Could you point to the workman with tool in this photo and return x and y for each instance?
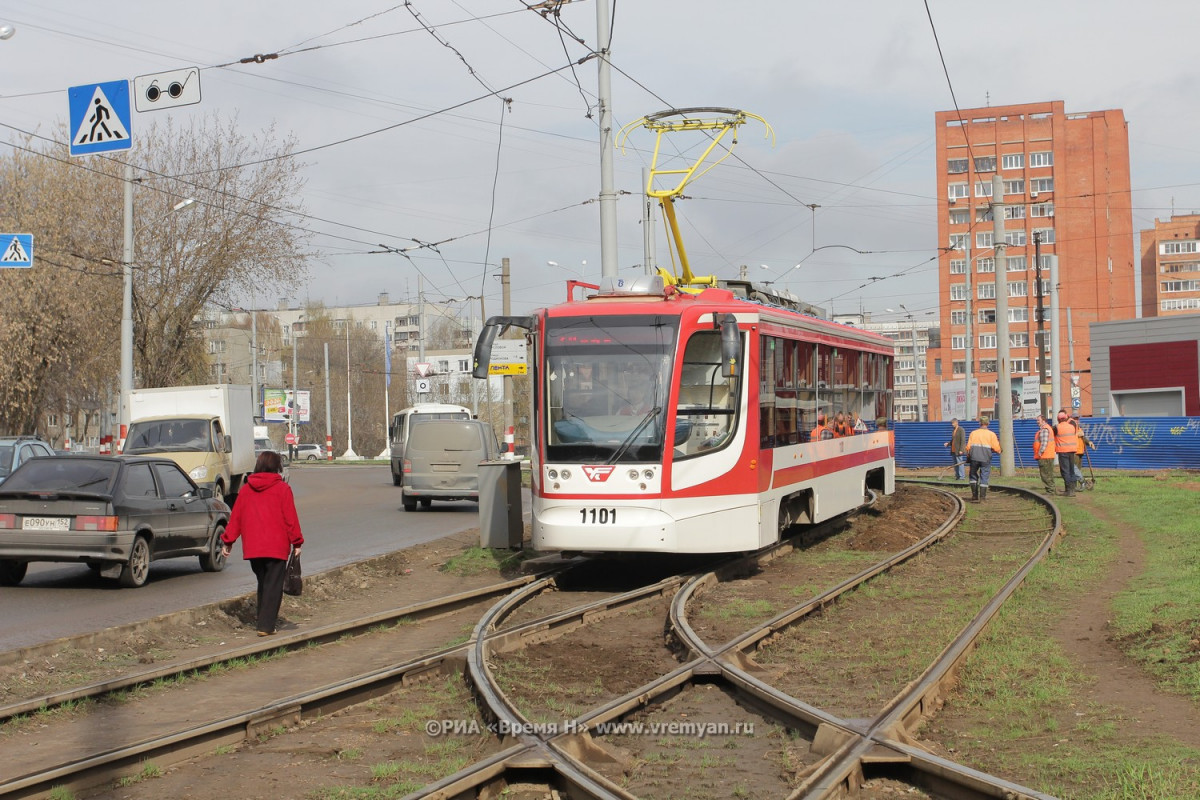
(1066, 442)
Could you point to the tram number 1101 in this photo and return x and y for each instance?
(598, 516)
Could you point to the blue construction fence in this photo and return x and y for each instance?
(1135, 443)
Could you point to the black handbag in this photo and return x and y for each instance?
(293, 583)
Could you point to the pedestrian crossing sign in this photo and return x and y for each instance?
(100, 118)
(16, 250)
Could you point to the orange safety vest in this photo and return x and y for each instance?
(1066, 437)
(818, 433)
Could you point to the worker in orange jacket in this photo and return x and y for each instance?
(1066, 442)
(1084, 442)
(980, 446)
(820, 432)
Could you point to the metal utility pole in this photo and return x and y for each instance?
(969, 369)
(1003, 363)
(608, 195)
(294, 411)
(387, 382)
(916, 370)
(349, 454)
(127, 307)
(1039, 340)
(254, 356)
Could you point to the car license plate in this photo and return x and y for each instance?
(46, 524)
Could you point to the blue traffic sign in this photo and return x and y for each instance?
(16, 250)
(100, 118)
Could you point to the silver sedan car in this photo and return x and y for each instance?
(114, 514)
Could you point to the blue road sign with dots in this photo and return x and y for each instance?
(100, 118)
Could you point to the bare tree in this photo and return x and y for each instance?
(59, 322)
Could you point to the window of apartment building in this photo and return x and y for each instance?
(1182, 304)
(985, 163)
(443, 365)
(958, 266)
(1014, 238)
(904, 365)
(956, 166)
(958, 241)
(464, 365)
(958, 317)
(983, 239)
(1015, 264)
(1041, 210)
(986, 316)
(983, 188)
(1181, 266)
(1044, 338)
(958, 342)
(212, 346)
(1018, 314)
(1014, 187)
(1044, 158)
(1018, 289)
(1014, 212)
(985, 265)
(901, 377)
(958, 291)
(960, 216)
(983, 214)
(958, 367)
(987, 389)
(987, 341)
(957, 191)
(1013, 161)
(1047, 234)
(1018, 340)
(987, 291)
(987, 365)
(1041, 185)
(1181, 246)
(1020, 365)
(1181, 286)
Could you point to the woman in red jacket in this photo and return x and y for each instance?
(264, 515)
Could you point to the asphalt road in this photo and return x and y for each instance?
(348, 513)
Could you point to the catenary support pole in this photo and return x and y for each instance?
(1003, 362)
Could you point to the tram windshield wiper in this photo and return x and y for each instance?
(633, 434)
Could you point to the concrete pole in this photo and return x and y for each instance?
(349, 454)
(506, 298)
(127, 308)
(608, 194)
(294, 411)
(916, 370)
(1003, 362)
(969, 371)
(1055, 334)
(328, 418)
(254, 359)
(1038, 340)
(387, 405)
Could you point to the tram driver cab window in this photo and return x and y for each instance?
(707, 412)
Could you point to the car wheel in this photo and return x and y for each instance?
(410, 505)
(137, 568)
(312, 457)
(213, 559)
(12, 572)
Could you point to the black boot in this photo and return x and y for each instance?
(975, 492)
(982, 493)
(1070, 490)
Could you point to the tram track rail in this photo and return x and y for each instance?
(854, 751)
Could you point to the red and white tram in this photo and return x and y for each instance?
(679, 422)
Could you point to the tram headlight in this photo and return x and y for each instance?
(633, 474)
(552, 474)
(648, 474)
(566, 474)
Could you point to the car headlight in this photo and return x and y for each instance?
(200, 473)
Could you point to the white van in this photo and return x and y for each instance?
(402, 419)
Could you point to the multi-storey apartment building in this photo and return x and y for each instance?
(1065, 179)
(1171, 267)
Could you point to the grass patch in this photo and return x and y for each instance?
(478, 560)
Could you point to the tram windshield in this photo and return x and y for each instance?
(607, 384)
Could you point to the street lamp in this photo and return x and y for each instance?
(127, 301)
(349, 454)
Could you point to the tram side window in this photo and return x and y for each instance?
(706, 415)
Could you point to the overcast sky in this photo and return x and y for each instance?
(850, 90)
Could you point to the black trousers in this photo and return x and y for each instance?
(270, 572)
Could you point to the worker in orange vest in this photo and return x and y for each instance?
(1084, 442)
(980, 446)
(1044, 454)
(1066, 442)
(820, 432)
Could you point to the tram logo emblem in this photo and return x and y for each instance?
(598, 474)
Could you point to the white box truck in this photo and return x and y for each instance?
(207, 430)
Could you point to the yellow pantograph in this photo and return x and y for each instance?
(717, 122)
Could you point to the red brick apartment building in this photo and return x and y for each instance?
(1066, 177)
(1171, 267)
